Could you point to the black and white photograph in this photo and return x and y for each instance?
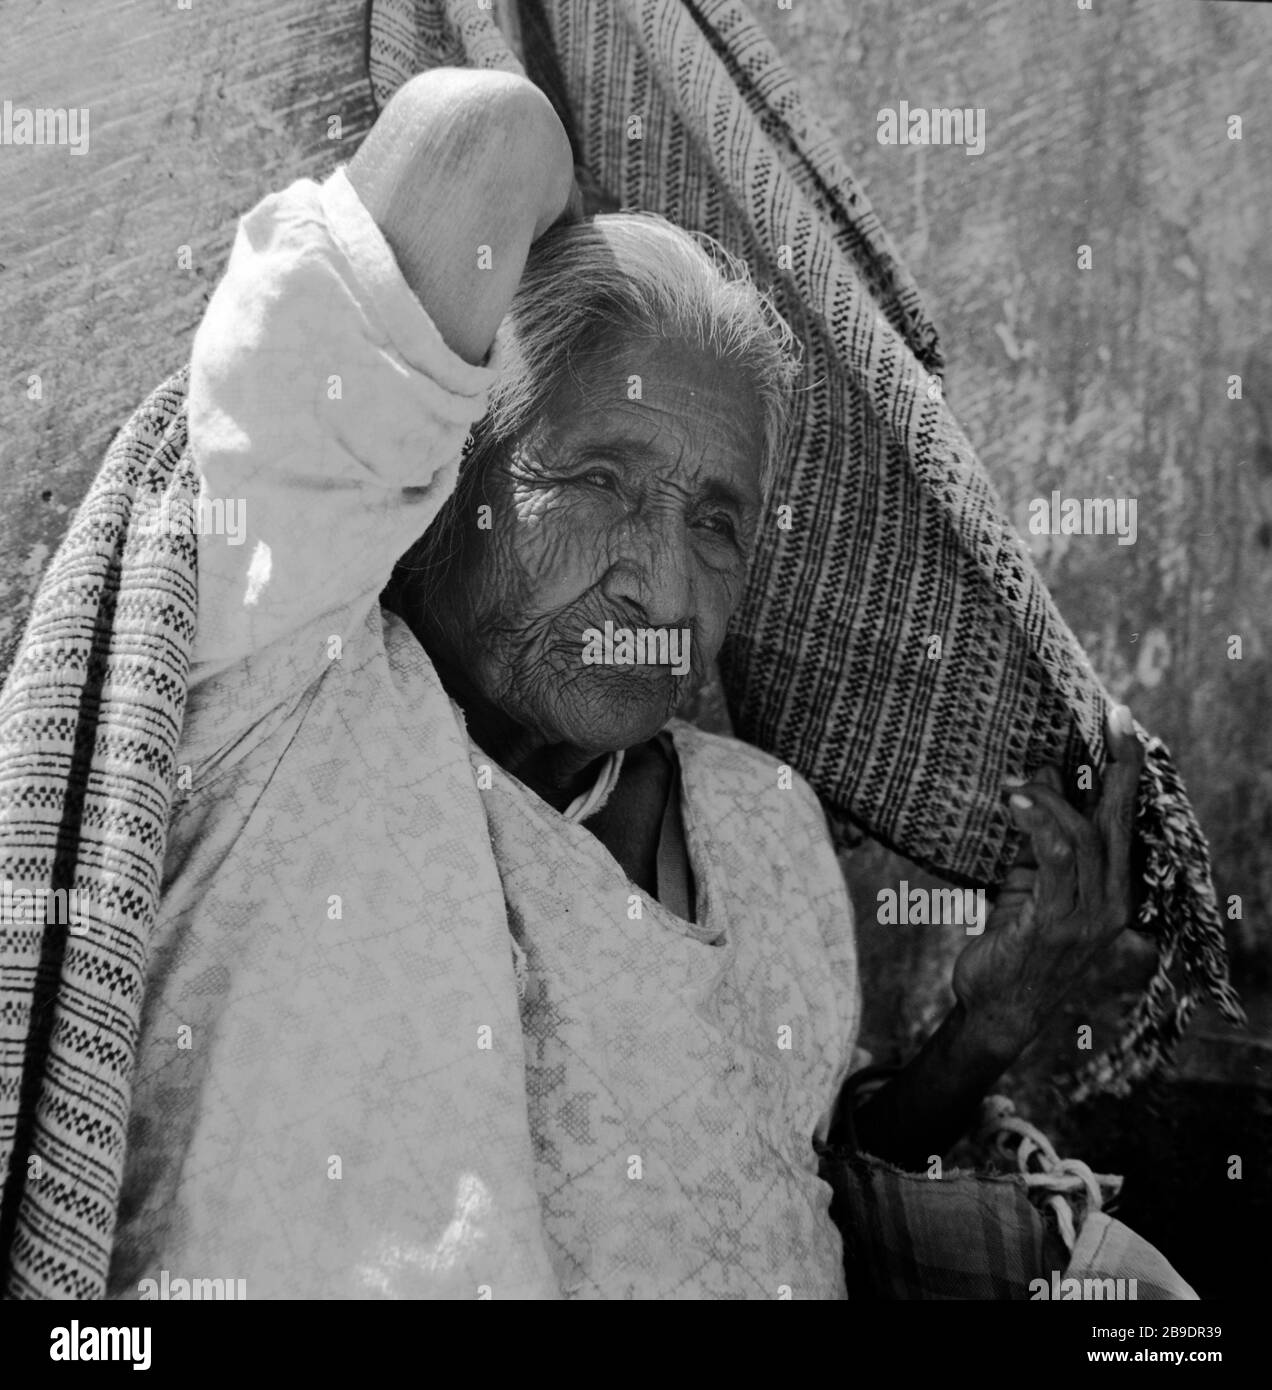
(636, 666)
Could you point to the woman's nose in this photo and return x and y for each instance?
(653, 576)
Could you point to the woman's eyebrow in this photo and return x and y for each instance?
(615, 450)
(622, 449)
(724, 493)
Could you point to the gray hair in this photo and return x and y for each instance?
(635, 274)
(627, 275)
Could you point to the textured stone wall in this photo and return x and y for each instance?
(1108, 129)
(193, 116)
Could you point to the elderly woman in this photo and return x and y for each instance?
(478, 974)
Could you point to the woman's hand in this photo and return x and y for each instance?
(1068, 895)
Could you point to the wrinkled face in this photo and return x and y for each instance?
(633, 502)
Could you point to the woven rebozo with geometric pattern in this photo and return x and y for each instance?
(896, 537)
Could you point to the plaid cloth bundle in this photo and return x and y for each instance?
(972, 1236)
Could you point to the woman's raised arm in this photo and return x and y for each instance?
(337, 370)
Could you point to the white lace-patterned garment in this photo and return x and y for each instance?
(340, 1092)
(676, 1073)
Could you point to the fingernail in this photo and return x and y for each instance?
(1013, 781)
(1021, 803)
(1122, 720)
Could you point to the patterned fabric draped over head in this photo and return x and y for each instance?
(682, 107)
(896, 537)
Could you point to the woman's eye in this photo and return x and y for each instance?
(719, 525)
(598, 477)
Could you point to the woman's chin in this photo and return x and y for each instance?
(627, 719)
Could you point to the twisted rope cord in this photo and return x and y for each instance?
(1066, 1186)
